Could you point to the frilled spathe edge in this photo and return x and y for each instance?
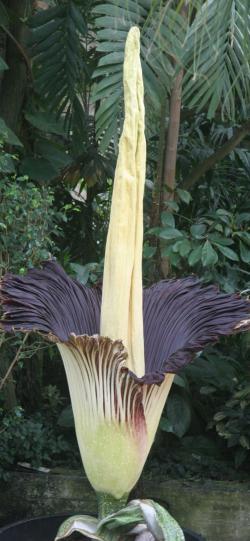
(107, 388)
(181, 317)
(49, 301)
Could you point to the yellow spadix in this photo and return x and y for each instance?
(121, 311)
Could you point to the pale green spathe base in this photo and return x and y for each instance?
(112, 459)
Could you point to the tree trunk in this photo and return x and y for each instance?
(9, 389)
(157, 189)
(14, 82)
(31, 382)
(90, 248)
(165, 183)
(156, 273)
(216, 157)
(2, 52)
(169, 168)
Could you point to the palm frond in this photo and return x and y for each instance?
(163, 32)
(217, 59)
(56, 44)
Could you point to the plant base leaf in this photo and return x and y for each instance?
(142, 519)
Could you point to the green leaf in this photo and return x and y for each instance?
(220, 80)
(162, 37)
(107, 107)
(42, 32)
(54, 153)
(243, 235)
(181, 382)
(62, 67)
(108, 46)
(163, 525)
(53, 41)
(184, 247)
(3, 65)
(45, 122)
(154, 231)
(219, 227)
(240, 456)
(4, 17)
(195, 256)
(216, 238)
(114, 10)
(175, 246)
(166, 425)
(243, 217)
(198, 231)
(170, 233)
(175, 260)
(66, 418)
(184, 196)
(38, 169)
(111, 23)
(78, 18)
(148, 251)
(172, 205)
(141, 513)
(122, 521)
(167, 218)
(7, 164)
(106, 138)
(167, 251)
(219, 416)
(113, 81)
(208, 256)
(244, 252)
(8, 135)
(44, 16)
(223, 212)
(228, 252)
(116, 57)
(207, 389)
(244, 442)
(83, 524)
(114, 69)
(115, 36)
(82, 272)
(178, 413)
(100, 93)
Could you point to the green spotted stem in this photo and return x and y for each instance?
(107, 504)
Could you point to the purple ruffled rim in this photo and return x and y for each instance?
(180, 316)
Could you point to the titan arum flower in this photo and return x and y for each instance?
(121, 346)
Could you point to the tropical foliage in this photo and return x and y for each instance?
(57, 159)
(34, 439)
(212, 48)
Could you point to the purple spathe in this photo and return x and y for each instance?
(180, 316)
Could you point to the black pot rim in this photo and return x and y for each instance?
(64, 516)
